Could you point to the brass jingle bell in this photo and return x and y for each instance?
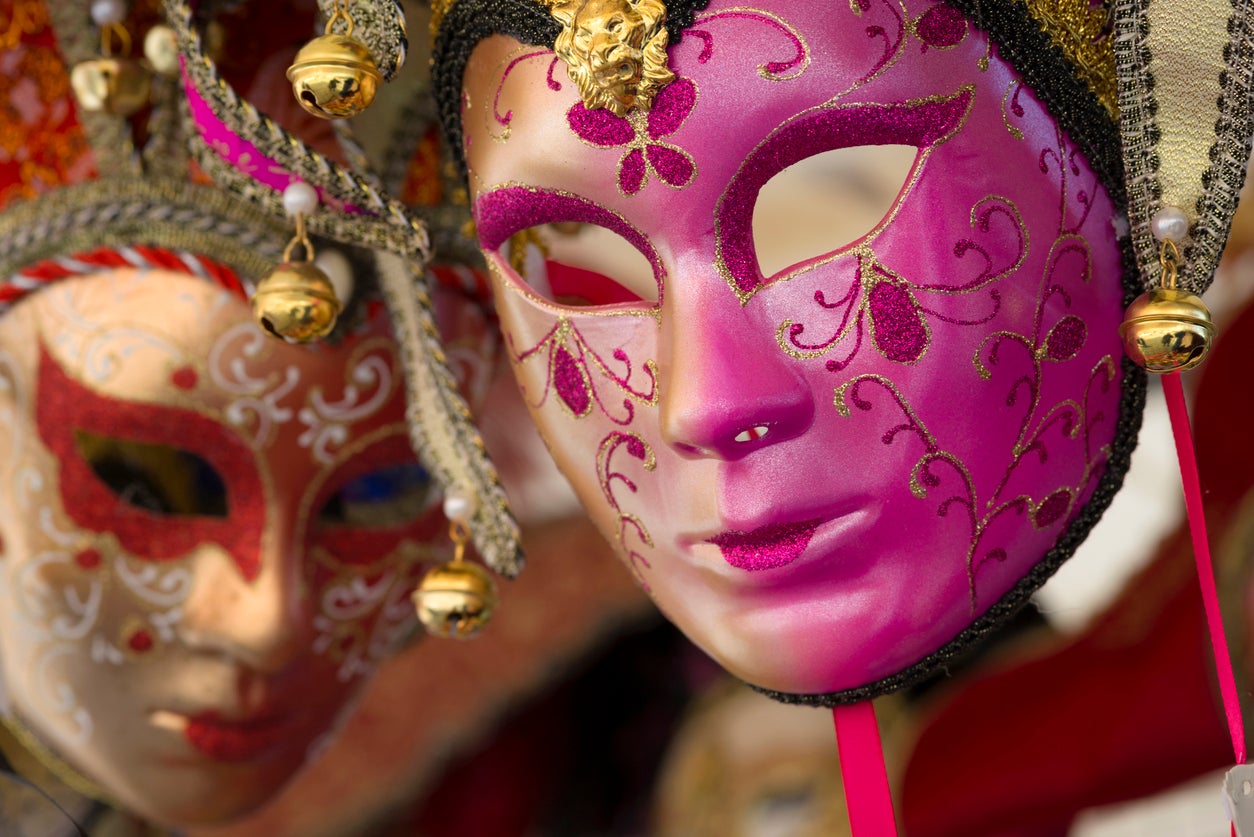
(1167, 330)
(455, 600)
(334, 76)
(118, 86)
(296, 302)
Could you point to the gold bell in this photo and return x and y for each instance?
(112, 83)
(335, 76)
(456, 600)
(1167, 329)
(296, 302)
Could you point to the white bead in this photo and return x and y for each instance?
(1170, 224)
(300, 198)
(459, 505)
(104, 12)
(339, 270)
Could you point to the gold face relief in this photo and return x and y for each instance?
(615, 51)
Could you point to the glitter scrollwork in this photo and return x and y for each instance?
(638, 449)
(574, 367)
(890, 306)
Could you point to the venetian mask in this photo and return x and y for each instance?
(836, 474)
(209, 537)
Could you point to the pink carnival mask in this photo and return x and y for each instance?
(834, 477)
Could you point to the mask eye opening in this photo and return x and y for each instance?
(387, 497)
(580, 265)
(848, 193)
(159, 479)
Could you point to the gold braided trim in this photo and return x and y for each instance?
(54, 764)
(1080, 30)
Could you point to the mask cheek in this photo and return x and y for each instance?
(360, 584)
(590, 383)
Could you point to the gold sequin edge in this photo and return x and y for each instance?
(57, 766)
(1080, 31)
(443, 434)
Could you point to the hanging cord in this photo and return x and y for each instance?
(1179, 412)
(867, 794)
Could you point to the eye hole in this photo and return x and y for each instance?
(156, 478)
(581, 265)
(388, 497)
(824, 202)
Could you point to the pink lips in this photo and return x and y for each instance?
(767, 547)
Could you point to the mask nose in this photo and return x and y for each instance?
(730, 390)
(265, 622)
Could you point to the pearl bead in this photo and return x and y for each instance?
(339, 270)
(459, 505)
(300, 198)
(1170, 224)
(105, 12)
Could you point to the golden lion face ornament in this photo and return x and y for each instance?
(615, 50)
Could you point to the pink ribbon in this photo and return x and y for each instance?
(867, 795)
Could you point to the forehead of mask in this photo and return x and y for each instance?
(826, 473)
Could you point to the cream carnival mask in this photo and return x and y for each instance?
(836, 477)
(209, 537)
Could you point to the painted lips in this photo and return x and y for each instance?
(235, 740)
(767, 547)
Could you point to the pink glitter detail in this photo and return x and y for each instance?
(1066, 338)
(941, 27)
(813, 133)
(632, 171)
(570, 383)
(501, 213)
(599, 127)
(1052, 508)
(673, 167)
(671, 107)
(241, 154)
(773, 68)
(553, 83)
(508, 116)
(899, 330)
(766, 548)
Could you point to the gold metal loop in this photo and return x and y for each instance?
(301, 238)
(1169, 258)
(340, 14)
(459, 532)
(107, 33)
